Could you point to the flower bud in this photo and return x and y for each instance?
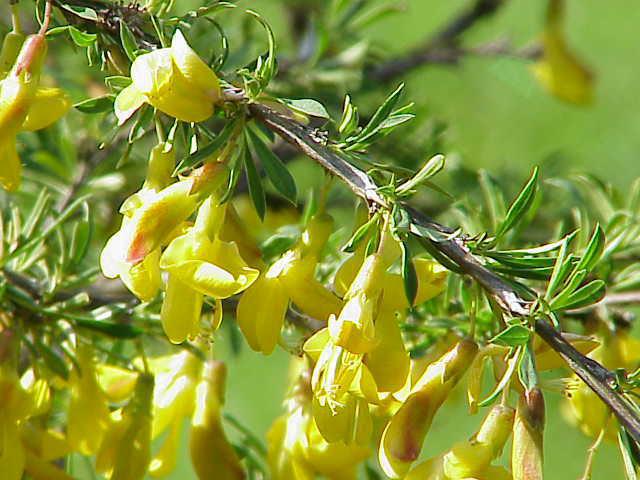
(404, 434)
(473, 456)
(11, 46)
(528, 429)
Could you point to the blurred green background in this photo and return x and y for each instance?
(497, 118)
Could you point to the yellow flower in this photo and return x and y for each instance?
(342, 388)
(176, 377)
(143, 278)
(263, 306)
(404, 434)
(559, 70)
(200, 264)
(125, 452)
(528, 428)
(25, 106)
(88, 415)
(212, 455)
(297, 450)
(174, 80)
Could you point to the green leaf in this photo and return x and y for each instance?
(433, 166)
(562, 266)
(266, 69)
(361, 234)
(409, 275)
(520, 205)
(128, 40)
(382, 113)
(117, 330)
(81, 236)
(527, 369)
(593, 251)
(279, 243)
(350, 118)
(493, 198)
(208, 150)
(274, 168)
(96, 105)
(307, 106)
(82, 12)
(254, 182)
(587, 295)
(628, 457)
(80, 38)
(53, 360)
(116, 83)
(513, 336)
(144, 116)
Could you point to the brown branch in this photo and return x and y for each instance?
(598, 378)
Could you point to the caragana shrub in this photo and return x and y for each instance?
(151, 204)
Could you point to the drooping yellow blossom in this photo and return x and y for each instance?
(174, 80)
(199, 263)
(559, 70)
(174, 395)
(343, 388)
(88, 415)
(404, 434)
(143, 278)
(24, 105)
(125, 452)
(585, 409)
(263, 306)
(212, 456)
(528, 428)
(297, 450)
(471, 459)
(388, 359)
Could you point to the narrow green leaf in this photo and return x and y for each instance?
(82, 12)
(96, 105)
(80, 38)
(520, 205)
(350, 118)
(433, 166)
(587, 295)
(361, 234)
(409, 275)
(513, 336)
(527, 369)
(254, 182)
(128, 40)
(117, 330)
(562, 266)
(493, 198)
(142, 122)
(624, 443)
(53, 360)
(81, 236)
(504, 381)
(274, 168)
(593, 251)
(116, 83)
(208, 150)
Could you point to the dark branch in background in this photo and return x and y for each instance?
(598, 378)
(442, 47)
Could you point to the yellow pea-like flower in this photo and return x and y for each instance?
(404, 434)
(117, 383)
(212, 456)
(342, 388)
(174, 80)
(24, 105)
(200, 264)
(559, 70)
(262, 308)
(143, 278)
(528, 428)
(88, 418)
